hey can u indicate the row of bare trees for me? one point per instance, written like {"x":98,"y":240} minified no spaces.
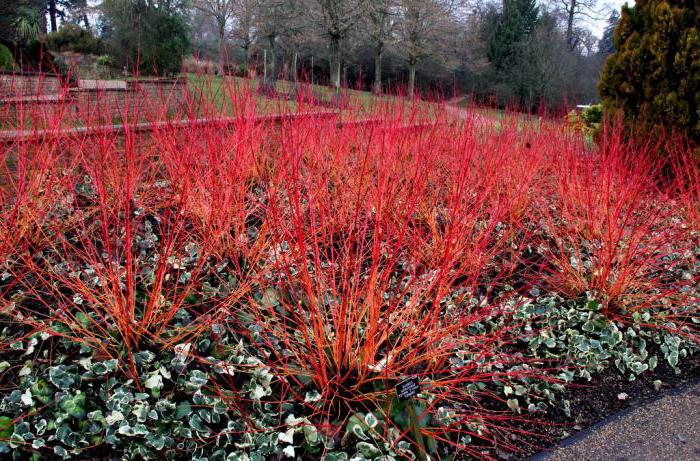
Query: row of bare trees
{"x":441,"y":34}
{"x":414,"y":28}
{"x":399,"y":41}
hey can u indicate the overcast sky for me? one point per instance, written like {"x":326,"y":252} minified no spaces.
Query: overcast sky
{"x":598,"y":26}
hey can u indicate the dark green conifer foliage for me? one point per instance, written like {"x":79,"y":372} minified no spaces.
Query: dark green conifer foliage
{"x":517,"y":20}
{"x":654,"y":77}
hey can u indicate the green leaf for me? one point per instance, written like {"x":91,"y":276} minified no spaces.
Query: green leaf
{"x":183,"y":409}
{"x":83,"y":319}
{"x":311,"y":434}
{"x":513,"y":405}
{"x":653,"y":362}
{"x":141,"y":411}
{"x":154,"y":383}
{"x":98,"y":417}
{"x":639,"y":367}
{"x":156,"y":441}
{"x":60,"y":451}
{"x":371,"y":421}
{"x":42,"y":391}
{"x":198,"y":425}
{"x":359,"y":432}
{"x":7,"y":427}
{"x":60,"y":378}
{"x":368,"y":450}
{"x":75,"y":406}
{"x":38,"y":443}
{"x":592,"y":305}
{"x":673,"y":358}
{"x":197,"y":379}
{"x":313,"y":396}
{"x":356,"y":425}
{"x":102,"y":368}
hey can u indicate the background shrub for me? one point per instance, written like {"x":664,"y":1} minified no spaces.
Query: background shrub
{"x":152,"y":39}
{"x":654,"y":77}
{"x":104,"y":60}
{"x":6,"y":60}
{"x":199,"y":66}
{"x":71,"y":37}
{"x":588,"y":120}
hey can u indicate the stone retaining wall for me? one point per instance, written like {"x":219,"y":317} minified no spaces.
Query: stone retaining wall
{"x":14,"y":84}
{"x":136,"y":101}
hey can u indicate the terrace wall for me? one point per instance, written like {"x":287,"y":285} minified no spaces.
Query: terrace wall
{"x":16,"y":84}
{"x":135,"y":101}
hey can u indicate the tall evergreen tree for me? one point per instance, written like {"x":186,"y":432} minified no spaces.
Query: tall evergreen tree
{"x":654,"y":77}
{"x":517,"y":20}
{"x":152,"y":34}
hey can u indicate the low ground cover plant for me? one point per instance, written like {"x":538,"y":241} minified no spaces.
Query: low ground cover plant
{"x":257,"y":291}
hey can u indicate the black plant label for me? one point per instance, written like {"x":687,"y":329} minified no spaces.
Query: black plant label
{"x":407,"y":389}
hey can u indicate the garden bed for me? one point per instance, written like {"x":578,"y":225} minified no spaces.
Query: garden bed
{"x":240,"y":292}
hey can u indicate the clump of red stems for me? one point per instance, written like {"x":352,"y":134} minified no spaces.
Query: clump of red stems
{"x":614,"y":235}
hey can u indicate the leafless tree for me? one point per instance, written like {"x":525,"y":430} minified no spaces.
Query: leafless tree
{"x":246,"y":17}
{"x":424,"y":29}
{"x":444,"y":40}
{"x":269,"y":27}
{"x":277,"y":20}
{"x":336,"y":18}
{"x":544,"y":68}
{"x":380,"y":27}
{"x":294,"y":32}
{"x":574,"y":10}
{"x":221,"y":11}
{"x":585,"y":41}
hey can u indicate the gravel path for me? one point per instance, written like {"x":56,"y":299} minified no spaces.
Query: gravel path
{"x":452,"y":107}
{"x":667,"y":428}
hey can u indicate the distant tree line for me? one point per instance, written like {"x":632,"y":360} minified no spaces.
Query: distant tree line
{"x":517,"y":52}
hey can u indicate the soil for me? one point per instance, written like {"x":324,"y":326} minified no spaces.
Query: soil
{"x":608,"y":393}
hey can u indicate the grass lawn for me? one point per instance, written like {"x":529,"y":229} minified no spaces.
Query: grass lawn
{"x":223,"y":91}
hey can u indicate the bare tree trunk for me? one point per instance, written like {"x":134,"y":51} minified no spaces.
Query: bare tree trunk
{"x":222,"y":47}
{"x":571,"y":11}
{"x":246,"y":51}
{"x":83,"y":7}
{"x":411,"y":78}
{"x":335,"y":63}
{"x":294,"y":72}
{"x":378,"y":52}
{"x":272,"y":75}
{"x":52,"y":15}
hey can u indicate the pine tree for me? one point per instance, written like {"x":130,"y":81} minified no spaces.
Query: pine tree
{"x":654,"y":77}
{"x":517,"y":20}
